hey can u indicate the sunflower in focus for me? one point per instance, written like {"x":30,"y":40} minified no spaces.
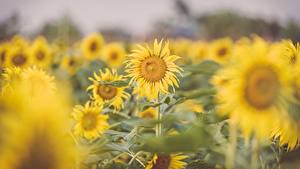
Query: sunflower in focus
{"x":153,"y":70}
{"x":165,"y":161}
{"x":41,"y":53}
{"x":114,"y":54}
{"x":90,"y":123}
{"x":256,"y":95}
{"x":220,"y":50}
{"x":18,"y":57}
{"x":91,"y":46}
{"x":106,"y":93}
{"x":149,"y":113}
{"x":70,"y":64}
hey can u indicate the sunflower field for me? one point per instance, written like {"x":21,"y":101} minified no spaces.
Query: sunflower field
{"x":155,"y":104}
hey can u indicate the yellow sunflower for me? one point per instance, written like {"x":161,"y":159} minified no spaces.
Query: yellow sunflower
{"x":220,"y":50}
{"x":35,"y":136}
{"x":165,"y":161}
{"x":19,"y":41}
{"x":41,"y":53}
{"x":106,"y":93}
{"x":150,"y":113}
{"x":181,"y":47}
{"x":114,"y":54}
{"x":70,"y":64}
{"x":198,"y":52}
{"x":153,"y":70}
{"x":91,"y":46}
{"x":189,"y":105}
{"x":18,"y":57}
{"x":257,"y":91}
{"x":90,"y":123}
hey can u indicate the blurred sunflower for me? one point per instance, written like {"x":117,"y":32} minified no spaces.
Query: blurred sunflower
{"x":149,"y":113}
{"x":198,"y":52}
{"x":220,"y":50}
{"x":105,"y":93}
{"x":18,"y":57}
{"x":164,"y":161}
{"x":35,"y":137}
{"x":20,"y":42}
{"x":114,"y":54}
{"x":91,"y":46}
{"x":90,"y":123}
{"x":70,"y":64}
{"x":41,"y":53}
{"x":189,"y":105}
{"x":257,"y":93}
{"x":180,"y":47}
{"x":153,"y":70}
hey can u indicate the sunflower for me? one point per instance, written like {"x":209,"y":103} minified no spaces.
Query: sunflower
{"x":41,"y":53}
{"x":165,"y":161}
{"x":70,"y":64}
{"x":18,"y":57}
{"x":4,"y":47}
{"x":37,"y":82}
{"x":220,"y":50}
{"x":189,"y":105}
{"x":106,"y":93}
{"x":257,"y":92}
{"x":197,"y":52}
{"x":35,"y":137}
{"x":149,"y":113}
{"x":19,"y":41}
{"x":114,"y":54}
{"x":91,"y":46}
{"x":90,"y":123}
{"x":153,"y":70}
{"x":181,"y":47}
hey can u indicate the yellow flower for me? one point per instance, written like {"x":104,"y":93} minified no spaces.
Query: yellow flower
{"x":198,"y":52}
{"x":105,"y":93}
{"x":257,"y":91}
{"x":90,"y":123}
{"x":37,"y":82}
{"x":91,"y":46}
{"x":41,"y":53}
{"x":153,"y":70}
{"x":164,"y":161}
{"x":20,"y":42}
{"x":114,"y":54}
{"x":190,"y":105}
{"x":181,"y":47}
{"x":220,"y":50}
{"x":18,"y":57}
{"x":35,"y":135}
{"x":70,"y":64}
{"x":149,"y":113}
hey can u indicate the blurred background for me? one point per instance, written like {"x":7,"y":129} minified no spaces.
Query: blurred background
{"x":144,"y":19}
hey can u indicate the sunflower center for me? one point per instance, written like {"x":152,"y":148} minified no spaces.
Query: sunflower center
{"x":162,"y":162}
{"x":262,"y":87}
{"x":153,"y":69}
{"x":19,"y":60}
{"x":40,"y":55}
{"x":222,"y":51}
{"x":71,"y":62}
{"x":89,"y":121}
{"x":107,"y":92}
{"x":293,"y":59}
{"x":93,"y":46}
{"x":39,"y":154}
{"x":114,"y":56}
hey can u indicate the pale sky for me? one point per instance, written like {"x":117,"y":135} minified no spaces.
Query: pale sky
{"x":135,"y":15}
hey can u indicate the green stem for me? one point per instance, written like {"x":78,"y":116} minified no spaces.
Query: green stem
{"x":230,"y":160}
{"x":254,"y":153}
{"x":158,"y":126}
